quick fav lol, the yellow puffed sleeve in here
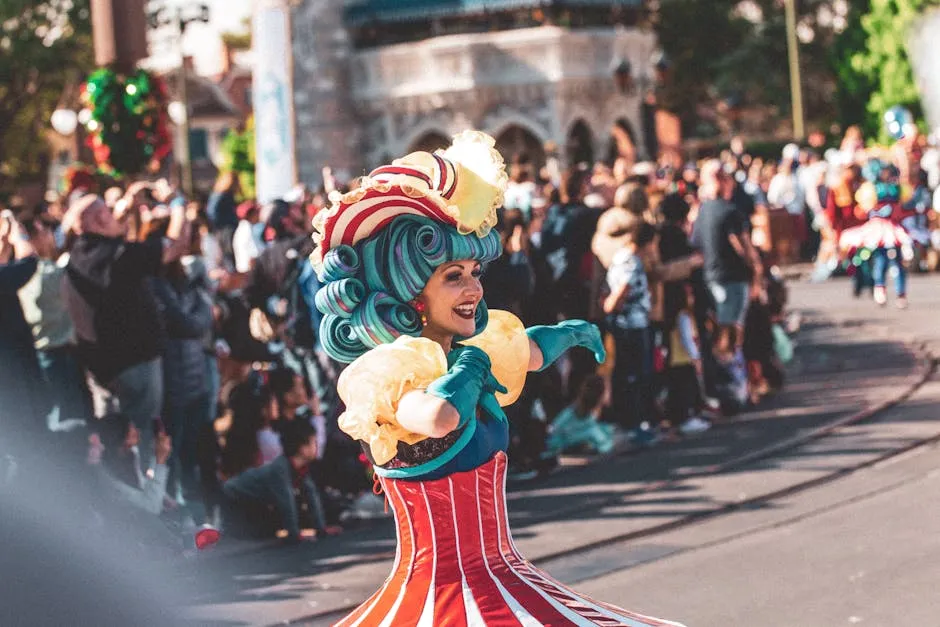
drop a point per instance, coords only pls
(507, 344)
(372, 385)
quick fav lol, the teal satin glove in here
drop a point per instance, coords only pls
(467, 380)
(555, 340)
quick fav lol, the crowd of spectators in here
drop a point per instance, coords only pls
(168, 346)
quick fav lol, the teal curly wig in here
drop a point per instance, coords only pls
(884, 176)
(366, 299)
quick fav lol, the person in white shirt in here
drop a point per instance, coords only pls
(246, 245)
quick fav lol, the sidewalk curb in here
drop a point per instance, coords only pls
(924, 361)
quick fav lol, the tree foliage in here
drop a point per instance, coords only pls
(853, 88)
(734, 53)
(695, 36)
(239, 40)
(238, 156)
(45, 47)
(884, 58)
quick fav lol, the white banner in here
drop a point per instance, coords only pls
(271, 98)
(922, 49)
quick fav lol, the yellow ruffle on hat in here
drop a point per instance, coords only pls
(462, 186)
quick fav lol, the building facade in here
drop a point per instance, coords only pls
(376, 79)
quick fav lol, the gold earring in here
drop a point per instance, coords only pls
(421, 308)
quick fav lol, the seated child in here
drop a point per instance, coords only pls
(577, 424)
(261, 500)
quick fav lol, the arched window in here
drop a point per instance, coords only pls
(429, 142)
(516, 142)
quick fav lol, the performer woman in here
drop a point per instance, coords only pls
(882, 235)
(431, 370)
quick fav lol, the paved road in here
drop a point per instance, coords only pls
(861, 551)
(851, 355)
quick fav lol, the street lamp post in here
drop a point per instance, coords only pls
(180, 20)
(793, 54)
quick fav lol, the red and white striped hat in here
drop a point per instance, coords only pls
(462, 186)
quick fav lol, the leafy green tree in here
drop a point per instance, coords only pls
(853, 88)
(238, 156)
(239, 40)
(695, 36)
(45, 46)
(884, 59)
(735, 51)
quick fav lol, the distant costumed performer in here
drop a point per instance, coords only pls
(881, 237)
(430, 371)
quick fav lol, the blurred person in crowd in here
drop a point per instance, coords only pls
(627, 307)
(281, 289)
(674, 245)
(882, 233)
(21, 396)
(632, 197)
(721, 235)
(759, 351)
(246, 241)
(685, 374)
(785, 192)
(111, 197)
(813, 184)
(908, 152)
(521, 191)
(78, 184)
(853, 142)
(565, 243)
(134, 209)
(842, 212)
(285, 220)
(120, 332)
(220, 209)
(755, 186)
(185, 306)
(250, 440)
(688, 185)
(577, 425)
(114, 450)
(917, 223)
(126, 496)
(293, 401)
(841, 208)
(252, 495)
(509, 280)
(46, 313)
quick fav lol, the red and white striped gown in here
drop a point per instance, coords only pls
(456, 564)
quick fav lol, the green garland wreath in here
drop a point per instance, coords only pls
(128, 128)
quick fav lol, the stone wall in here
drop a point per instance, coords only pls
(357, 109)
(326, 128)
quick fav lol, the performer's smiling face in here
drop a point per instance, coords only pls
(451, 297)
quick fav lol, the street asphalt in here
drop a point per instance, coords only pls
(699, 531)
